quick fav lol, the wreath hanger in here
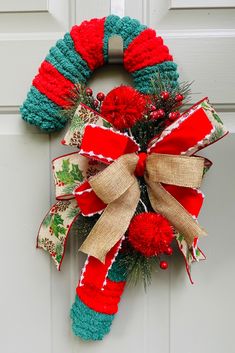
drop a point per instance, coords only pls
(115, 50)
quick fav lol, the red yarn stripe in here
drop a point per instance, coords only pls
(88, 41)
(145, 50)
(105, 301)
(96, 271)
(53, 84)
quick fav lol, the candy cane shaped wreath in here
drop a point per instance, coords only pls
(108, 152)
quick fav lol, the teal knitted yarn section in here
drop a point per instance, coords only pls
(167, 70)
(126, 27)
(40, 111)
(117, 272)
(87, 323)
(67, 61)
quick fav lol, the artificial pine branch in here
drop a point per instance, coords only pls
(78, 95)
(145, 129)
(138, 267)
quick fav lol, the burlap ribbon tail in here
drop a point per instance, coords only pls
(118, 187)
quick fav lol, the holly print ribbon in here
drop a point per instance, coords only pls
(70, 172)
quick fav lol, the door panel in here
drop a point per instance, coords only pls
(173, 316)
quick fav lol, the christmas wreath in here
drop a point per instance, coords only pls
(132, 187)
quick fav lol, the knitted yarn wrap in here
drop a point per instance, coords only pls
(90, 324)
(74, 58)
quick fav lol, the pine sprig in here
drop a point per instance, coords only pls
(145, 129)
(83, 225)
(78, 95)
(138, 267)
(159, 85)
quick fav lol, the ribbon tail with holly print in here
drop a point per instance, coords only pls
(69, 171)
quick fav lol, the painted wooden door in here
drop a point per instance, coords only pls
(173, 316)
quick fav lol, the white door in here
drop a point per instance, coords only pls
(174, 316)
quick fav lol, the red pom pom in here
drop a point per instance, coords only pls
(123, 107)
(150, 233)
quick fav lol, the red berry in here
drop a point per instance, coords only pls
(173, 116)
(157, 114)
(163, 265)
(179, 97)
(161, 113)
(96, 103)
(169, 251)
(165, 95)
(152, 108)
(154, 115)
(89, 92)
(100, 96)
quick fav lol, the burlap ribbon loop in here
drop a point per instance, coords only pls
(122, 170)
(118, 187)
(175, 170)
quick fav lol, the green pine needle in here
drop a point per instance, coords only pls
(138, 267)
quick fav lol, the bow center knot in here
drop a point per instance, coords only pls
(140, 167)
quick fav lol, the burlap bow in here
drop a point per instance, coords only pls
(169, 175)
(118, 187)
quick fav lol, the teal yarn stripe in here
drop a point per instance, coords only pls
(41, 111)
(67, 61)
(126, 27)
(117, 272)
(142, 78)
(87, 323)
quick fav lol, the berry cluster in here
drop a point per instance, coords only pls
(99, 98)
(165, 105)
